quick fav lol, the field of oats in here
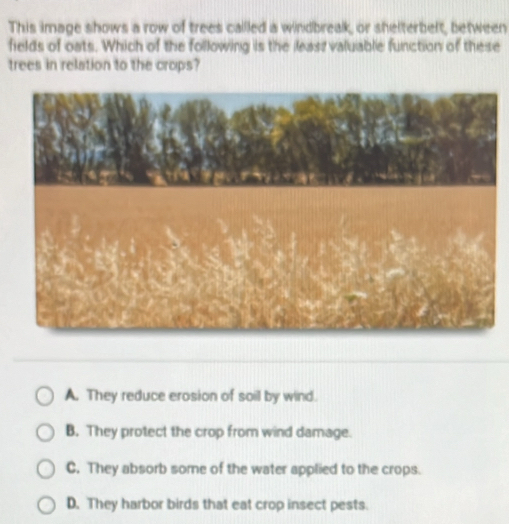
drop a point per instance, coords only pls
(254, 257)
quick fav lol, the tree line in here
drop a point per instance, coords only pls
(344, 139)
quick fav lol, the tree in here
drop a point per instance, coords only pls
(250, 142)
(466, 135)
(169, 148)
(376, 136)
(83, 114)
(320, 137)
(290, 150)
(46, 158)
(201, 131)
(129, 130)
(394, 138)
(351, 125)
(417, 139)
(483, 130)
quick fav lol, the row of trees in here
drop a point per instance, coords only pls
(350, 139)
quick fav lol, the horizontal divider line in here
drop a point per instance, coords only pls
(162, 361)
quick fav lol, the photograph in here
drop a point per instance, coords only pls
(265, 210)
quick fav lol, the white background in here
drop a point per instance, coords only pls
(438, 399)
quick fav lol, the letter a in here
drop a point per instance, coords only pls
(70, 395)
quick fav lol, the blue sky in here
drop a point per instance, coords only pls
(231, 102)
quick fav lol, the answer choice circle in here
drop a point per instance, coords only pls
(45, 469)
(45, 432)
(44, 396)
(46, 505)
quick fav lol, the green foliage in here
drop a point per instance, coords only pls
(129, 132)
(250, 143)
(66, 136)
(350, 139)
(169, 147)
(201, 130)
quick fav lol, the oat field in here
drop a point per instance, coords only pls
(255, 257)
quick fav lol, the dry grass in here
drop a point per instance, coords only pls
(249, 273)
(431, 214)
